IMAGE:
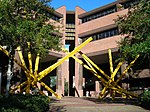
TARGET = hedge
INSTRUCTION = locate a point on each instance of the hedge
(24, 103)
(145, 99)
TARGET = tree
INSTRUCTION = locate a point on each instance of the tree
(23, 21)
(27, 21)
(136, 26)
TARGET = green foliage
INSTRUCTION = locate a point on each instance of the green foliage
(24, 103)
(23, 21)
(136, 26)
(145, 99)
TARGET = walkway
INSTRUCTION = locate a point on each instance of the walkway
(72, 104)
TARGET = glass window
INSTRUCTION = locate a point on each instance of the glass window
(107, 34)
(94, 37)
(104, 34)
(99, 14)
(112, 33)
(130, 3)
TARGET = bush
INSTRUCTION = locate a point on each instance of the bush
(145, 99)
(24, 103)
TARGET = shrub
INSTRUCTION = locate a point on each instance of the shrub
(24, 103)
(145, 99)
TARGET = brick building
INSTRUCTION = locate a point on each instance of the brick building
(70, 78)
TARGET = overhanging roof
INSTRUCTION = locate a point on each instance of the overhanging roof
(97, 30)
(97, 10)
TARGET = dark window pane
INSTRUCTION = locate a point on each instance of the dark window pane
(100, 14)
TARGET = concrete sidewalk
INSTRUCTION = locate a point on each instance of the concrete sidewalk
(72, 104)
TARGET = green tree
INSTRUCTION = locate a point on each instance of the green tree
(136, 26)
(23, 21)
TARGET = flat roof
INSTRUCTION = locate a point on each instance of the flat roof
(54, 12)
(97, 9)
(58, 14)
(70, 12)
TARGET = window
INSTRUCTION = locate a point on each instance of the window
(99, 14)
(129, 4)
(104, 34)
(56, 18)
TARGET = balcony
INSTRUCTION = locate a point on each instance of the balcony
(70, 25)
(70, 34)
(70, 38)
(70, 30)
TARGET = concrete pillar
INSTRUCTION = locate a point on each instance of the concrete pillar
(59, 80)
(97, 88)
(65, 70)
(80, 83)
(78, 80)
(123, 67)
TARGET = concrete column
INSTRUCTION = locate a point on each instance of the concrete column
(123, 67)
(78, 80)
(80, 83)
(59, 80)
(65, 76)
(97, 87)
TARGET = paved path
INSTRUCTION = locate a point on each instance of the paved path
(72, 104)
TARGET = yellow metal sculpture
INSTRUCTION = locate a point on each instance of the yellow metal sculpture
(34, 77)
(109, 82)
(110, 85)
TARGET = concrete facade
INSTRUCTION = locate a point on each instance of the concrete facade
(99, 21)
(75, 27)
(76, 77)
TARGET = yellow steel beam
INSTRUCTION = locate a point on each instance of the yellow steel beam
(101, 71)
(30, 58)
(102, 94)
(50, 90)
(36, 67)
(126, 70)
(111, 71)
(21, 56)
(37, 63)
(111, 83)
(30, 67)
(110, 62)
(52, 67)
(23, 63)
(16, 61)
(121, 90)
(87, 67)
(23, 66)
(18, 87)
(117, 68)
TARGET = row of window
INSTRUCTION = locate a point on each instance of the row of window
(70, 38)
(70, 34)
(54, 17)
(99, 14)
(70, 25)
(129, 3)
(109, 11)
(70, 30)
(104, 34)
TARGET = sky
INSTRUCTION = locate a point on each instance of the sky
(87, 5)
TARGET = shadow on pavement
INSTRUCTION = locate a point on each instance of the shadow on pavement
(57, 109)
(116, 101)
(53, 106)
